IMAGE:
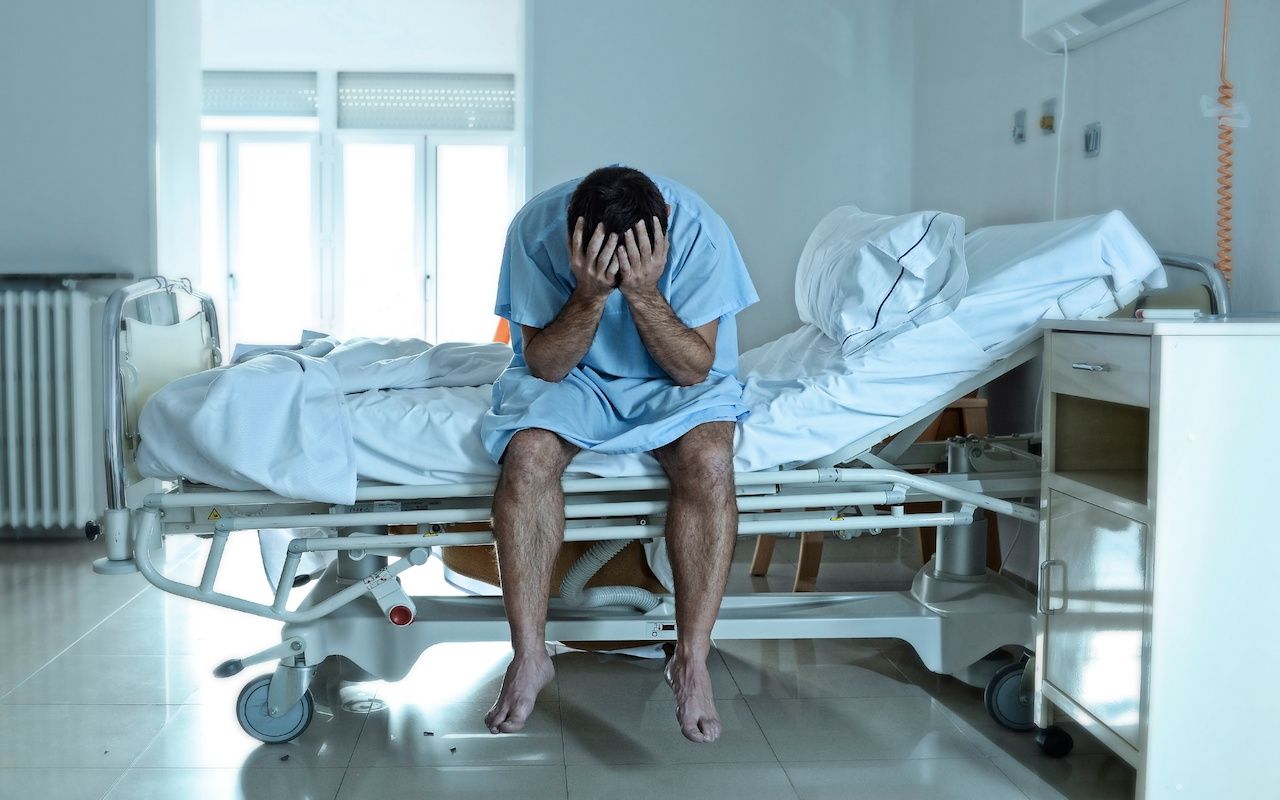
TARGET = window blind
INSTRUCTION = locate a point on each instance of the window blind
(426, 100)
(260, 94)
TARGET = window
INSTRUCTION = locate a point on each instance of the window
(382, 276)
(376, 208)
(471, 181)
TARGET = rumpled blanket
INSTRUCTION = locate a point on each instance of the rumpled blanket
(280, 419)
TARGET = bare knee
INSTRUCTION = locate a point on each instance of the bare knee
(701, 462)
(533, 461)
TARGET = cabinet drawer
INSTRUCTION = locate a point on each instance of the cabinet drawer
(1110, 367)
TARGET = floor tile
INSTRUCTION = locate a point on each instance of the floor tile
(581, 674)
(139, 630)
(703, 781)
(456, 783)
(79, 679)
(20, 663)
(969, 713)
(813, 668)
(208, 736)
(1076, 777)
(88, 704)
(53, 621)
(76, 736)
(918, 779)
(646, 732)
(461, 672)
(63, 784)
(406, 735)
(228, 784)
(849, 729)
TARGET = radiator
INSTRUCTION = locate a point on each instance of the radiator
(48, 441)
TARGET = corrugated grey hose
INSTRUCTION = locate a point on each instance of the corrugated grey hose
(574, 593)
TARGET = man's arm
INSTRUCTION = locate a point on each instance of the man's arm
(686, 354)
(552, 352)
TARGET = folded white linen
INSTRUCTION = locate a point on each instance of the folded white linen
(865, 277)
(1068, 269)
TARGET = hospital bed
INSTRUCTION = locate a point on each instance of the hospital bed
(957, 613)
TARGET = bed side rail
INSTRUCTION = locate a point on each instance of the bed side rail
(1209, 275)
(801, 506)
(154, 300)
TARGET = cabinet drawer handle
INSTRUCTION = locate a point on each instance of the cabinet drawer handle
(1044, 593)
(1087, 367)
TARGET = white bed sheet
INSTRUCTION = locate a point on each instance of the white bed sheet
(807, 400)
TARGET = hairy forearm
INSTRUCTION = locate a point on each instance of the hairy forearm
(679, 350)
(560, 346)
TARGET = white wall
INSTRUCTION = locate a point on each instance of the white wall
(75, 139)
(1144, 85)
(374, 35)
(177, 132)
(774, 112)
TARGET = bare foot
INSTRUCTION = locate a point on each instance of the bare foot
(695, 708)
(526, 676)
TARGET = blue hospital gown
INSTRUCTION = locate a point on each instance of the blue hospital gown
(618, 400)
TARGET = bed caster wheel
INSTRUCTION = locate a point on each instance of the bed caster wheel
(1006, 701)
(92, 530)
(1054, 742)
(251, 710)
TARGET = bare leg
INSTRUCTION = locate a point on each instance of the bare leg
(702, 523)
(528, 525)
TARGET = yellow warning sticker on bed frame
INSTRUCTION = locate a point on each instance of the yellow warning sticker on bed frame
(214, 515)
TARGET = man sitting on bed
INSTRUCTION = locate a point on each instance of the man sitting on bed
(625, 342)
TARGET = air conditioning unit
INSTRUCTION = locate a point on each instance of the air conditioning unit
(1053, 24)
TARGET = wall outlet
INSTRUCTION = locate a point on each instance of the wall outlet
(1020, 126)
(1049, 116)
(1092, 139)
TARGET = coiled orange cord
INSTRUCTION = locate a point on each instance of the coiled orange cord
(1226, 151)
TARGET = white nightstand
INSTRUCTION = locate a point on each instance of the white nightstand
(1159, 623)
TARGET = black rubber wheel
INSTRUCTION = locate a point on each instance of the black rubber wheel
(1005, 702)
(1054, 742)
(251, 710)
(92, 530)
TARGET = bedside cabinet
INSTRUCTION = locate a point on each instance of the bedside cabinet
(1158, 613)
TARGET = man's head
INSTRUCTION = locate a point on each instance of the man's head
(618, 198)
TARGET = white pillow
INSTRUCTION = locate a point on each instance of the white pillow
(864, 277)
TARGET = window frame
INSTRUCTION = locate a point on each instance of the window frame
(343, 137)
(515, 188)
(327, 142)
(221, 294)
(320, 310)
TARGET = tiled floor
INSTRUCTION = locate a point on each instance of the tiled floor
(106, 691)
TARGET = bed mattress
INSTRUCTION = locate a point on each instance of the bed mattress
(806, 399)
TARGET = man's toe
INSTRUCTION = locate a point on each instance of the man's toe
(514, 721)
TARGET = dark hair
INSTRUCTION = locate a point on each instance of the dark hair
(619, 197)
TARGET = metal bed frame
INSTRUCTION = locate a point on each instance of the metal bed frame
(957, 613)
